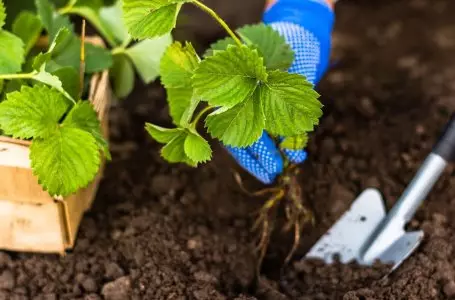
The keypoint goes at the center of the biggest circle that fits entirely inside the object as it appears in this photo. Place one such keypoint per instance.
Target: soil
(160, 231)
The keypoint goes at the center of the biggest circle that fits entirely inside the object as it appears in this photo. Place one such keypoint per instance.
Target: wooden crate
(30, 219)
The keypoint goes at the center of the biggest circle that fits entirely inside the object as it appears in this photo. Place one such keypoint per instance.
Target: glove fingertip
(267, 154)
(248, 162)
(296, 156)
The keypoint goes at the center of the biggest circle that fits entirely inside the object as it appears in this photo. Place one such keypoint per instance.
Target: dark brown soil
(160, 231)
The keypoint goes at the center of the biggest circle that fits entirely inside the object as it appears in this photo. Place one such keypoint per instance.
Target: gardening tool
(366, 233)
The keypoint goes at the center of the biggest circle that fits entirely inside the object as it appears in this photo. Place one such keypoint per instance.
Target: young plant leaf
(122, 75)
(146, 56)
(270, 44)
(90, 10)
(69, 78)
(43, 58)
(182, 104)
(151, 18)
(179, 147)
(83, 116)
(96, 58)
(2, 14)
(277, 54)
(28, 27)
(197, 149)
(229, 77)
(174, 151)
(45, 11)
(297, 142)
(177, 67)
(291, 106)
(220, 45)
(32, 112)
(53, 81)
(112, 19)
(12, 53)
(162, 135)
(239, 126)
(51, 20)
(65, 162)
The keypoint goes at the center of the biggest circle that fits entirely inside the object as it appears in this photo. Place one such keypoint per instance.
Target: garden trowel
(366, 233)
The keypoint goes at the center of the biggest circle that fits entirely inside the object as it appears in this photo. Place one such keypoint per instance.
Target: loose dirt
(160, 231)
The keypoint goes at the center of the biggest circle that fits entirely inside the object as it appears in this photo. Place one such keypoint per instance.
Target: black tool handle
(445, 147)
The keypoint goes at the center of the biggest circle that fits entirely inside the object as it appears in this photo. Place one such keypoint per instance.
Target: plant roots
(286, 194)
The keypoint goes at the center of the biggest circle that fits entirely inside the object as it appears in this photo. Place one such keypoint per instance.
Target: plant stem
(218, 19)
(126, 42)
(200, 115)
(82, 60)
(118, 50)
(18, 76)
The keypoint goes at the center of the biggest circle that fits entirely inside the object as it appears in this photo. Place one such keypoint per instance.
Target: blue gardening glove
(307, 26)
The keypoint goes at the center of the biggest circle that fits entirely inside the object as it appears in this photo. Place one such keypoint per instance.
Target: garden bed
(160, 231)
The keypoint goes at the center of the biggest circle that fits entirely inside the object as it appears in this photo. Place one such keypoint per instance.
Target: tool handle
(445, 147)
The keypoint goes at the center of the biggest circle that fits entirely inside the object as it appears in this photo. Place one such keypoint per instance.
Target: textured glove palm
(307, 26)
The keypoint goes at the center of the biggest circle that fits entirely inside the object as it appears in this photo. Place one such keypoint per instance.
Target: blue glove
(307, 26)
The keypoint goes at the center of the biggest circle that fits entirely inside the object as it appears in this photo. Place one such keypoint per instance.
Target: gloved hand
(307, 26)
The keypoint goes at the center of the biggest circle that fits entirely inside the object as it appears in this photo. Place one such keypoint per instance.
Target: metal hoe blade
(365, 233)
(351, 234)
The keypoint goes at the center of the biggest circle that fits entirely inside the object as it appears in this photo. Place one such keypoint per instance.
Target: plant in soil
(238, 89)
(45, 70)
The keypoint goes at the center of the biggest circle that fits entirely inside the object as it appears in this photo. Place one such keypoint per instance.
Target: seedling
(243, 85)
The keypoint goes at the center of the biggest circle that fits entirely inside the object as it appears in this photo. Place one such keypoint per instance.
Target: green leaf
(69, 78)
(151, 18)
(239, 126)
(162, 135)
(197, 149)
(45, 12)
(28, 27)
(220, 45)
(174, 151)
(270, 44)
(176, 68)
(32, 112)
(51, 20)
(178, 65)
(69, 56)
(53, 81)
(97, 58)
(12, 53)
(229, 77)
(182, 104)
(43, 58)
(40, 60)
(90, 10)
(83, 116)
(122, 75)
(13, 85)
(291, 106)
(66, 162)
(2, 14)
(59, 39)
(297, 142)
(112, 20)
(146, 56)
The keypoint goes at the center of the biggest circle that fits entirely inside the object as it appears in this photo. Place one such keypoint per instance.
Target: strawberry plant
(45, 69)
(238, 89)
